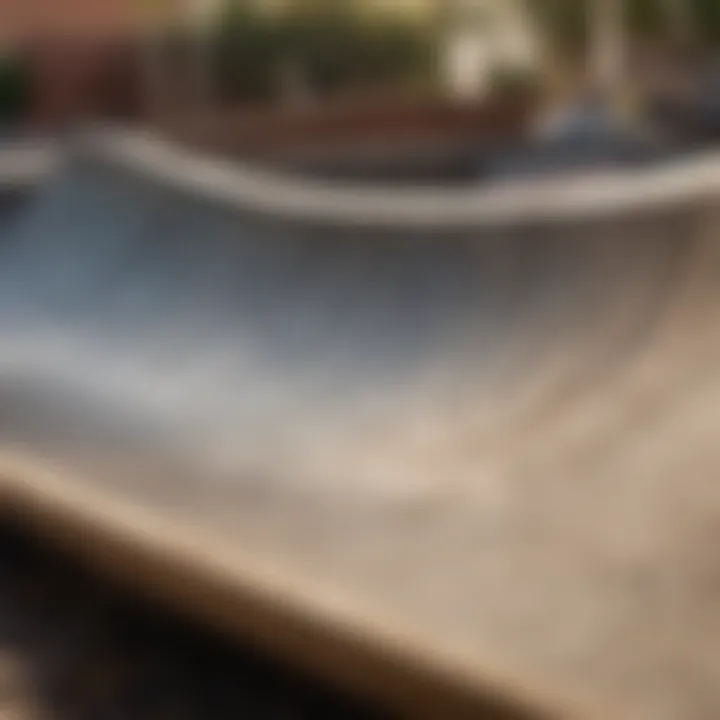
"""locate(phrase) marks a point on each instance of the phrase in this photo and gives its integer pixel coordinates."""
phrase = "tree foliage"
(14, 89)
(334, 45)
(566, 24)
(706, 20)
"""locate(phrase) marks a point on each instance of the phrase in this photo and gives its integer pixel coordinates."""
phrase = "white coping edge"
(27, 164)
(675, 182)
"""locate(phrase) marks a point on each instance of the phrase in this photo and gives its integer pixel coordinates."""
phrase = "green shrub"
(564, 24)
(513, 83)
(14, 89)
(706, 20)
(647, 19)
(246, 54)
(334, 47)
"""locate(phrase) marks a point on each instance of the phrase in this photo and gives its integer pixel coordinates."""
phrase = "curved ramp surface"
(472, 432)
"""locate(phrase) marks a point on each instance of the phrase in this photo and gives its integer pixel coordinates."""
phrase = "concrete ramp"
(448, 446)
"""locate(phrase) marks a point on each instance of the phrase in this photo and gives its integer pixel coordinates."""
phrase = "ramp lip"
(30, 488)
(516, 202)
(27, 163)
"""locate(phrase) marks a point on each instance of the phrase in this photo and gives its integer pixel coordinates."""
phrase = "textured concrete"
(477, 427)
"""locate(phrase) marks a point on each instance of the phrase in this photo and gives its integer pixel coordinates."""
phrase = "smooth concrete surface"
(473, 431)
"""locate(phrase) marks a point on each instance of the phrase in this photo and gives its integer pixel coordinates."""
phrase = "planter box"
(388, 138)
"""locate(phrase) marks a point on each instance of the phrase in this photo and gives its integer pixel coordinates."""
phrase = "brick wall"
(29, 20)
(74, 80)
(80, 56)
(360, 121)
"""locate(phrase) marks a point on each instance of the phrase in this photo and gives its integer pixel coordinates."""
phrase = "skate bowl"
(456, 449)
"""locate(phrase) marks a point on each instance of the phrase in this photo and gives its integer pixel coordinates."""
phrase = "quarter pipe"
(444, 445)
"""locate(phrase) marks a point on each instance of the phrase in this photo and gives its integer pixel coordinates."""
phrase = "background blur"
(65, 61)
